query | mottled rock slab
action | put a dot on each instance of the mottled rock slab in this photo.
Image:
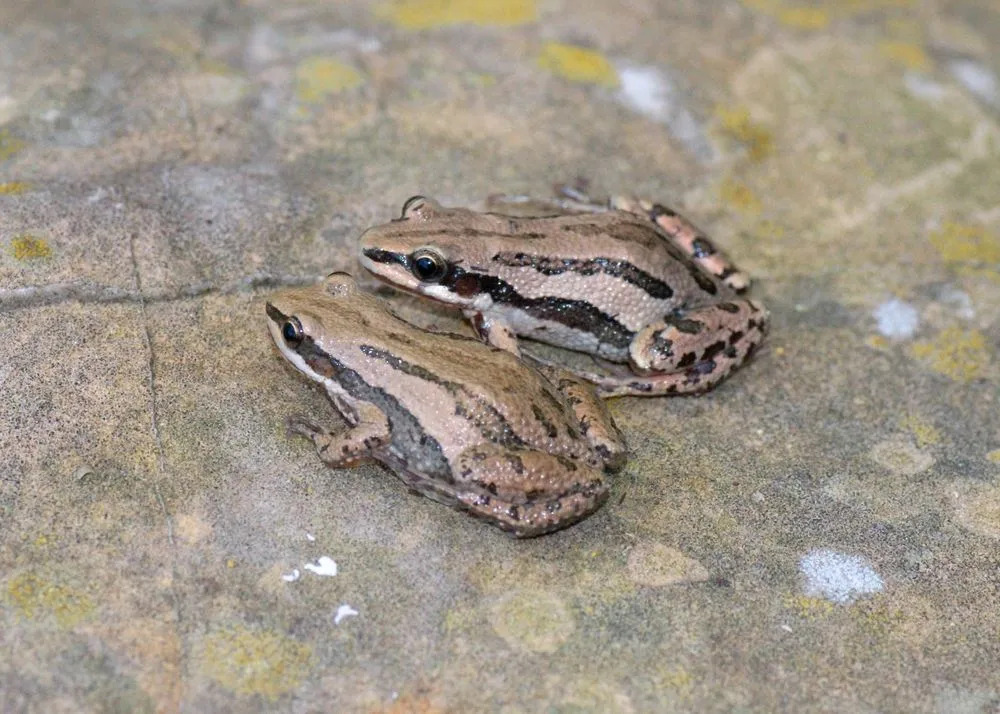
(822, 532)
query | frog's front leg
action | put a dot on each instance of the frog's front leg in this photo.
(494, 332)
(525, 492)
(592, 414)
(691, 353)
(369, 430)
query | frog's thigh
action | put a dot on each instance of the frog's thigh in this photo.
(526, 492)
(342, 449)
(591, 411)
(695, 352)
(689, 238)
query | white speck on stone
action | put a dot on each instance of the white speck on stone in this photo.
(342, 612)
(786, 628)
(292, 576)
(310, 537)
(977, 78)
(652, 93)
(838, 577)
(923, 87)
(896, 319)
(959, 300)
(323, 566)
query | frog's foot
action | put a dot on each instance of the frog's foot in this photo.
(346, 448)
(690, 354)
(524, 492)
(594, 420)
(493, 332)
(689, 238)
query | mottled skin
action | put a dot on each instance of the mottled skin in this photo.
(466, 424)
(630, 286)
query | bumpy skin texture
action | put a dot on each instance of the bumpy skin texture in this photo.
(630, 286)
(466, 424)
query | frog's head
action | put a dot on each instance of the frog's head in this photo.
(431, 251)
(309, 325)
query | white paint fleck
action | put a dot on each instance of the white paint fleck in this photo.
(292, 576)
(786, 628)
(838, 577)
(977, 78)
(342, 612)
(310, 537)
(323, 566)
(652, 93)
(896, 319)
(923, 87)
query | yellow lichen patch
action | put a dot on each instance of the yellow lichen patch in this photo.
(577, 64)
(980, 511)
(9, 144)
(735, 122)
(994, 456)
(13, 188)
(420, 14)
(808, 608)
(961, 243)
(957, 353)
(908, 54)
(817, 15)
(923, 431)
(739, 195)
(657, 565)
(28, 247)
(251, 662)
(804, 18)
(876, 618)
(317, 78)
(34, 597)
(533, 621)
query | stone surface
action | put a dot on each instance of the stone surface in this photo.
(163, 166)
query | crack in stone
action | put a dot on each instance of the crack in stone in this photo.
(87, 292)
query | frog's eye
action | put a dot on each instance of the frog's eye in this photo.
(414, 203)
(292, 331)
(428, 265)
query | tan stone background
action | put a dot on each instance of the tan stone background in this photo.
(820, 533)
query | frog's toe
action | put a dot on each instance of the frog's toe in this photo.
(301, 425)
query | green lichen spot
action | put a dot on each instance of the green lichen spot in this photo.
(736, 124)
(252, 662)
(29, 247)
(578, 64)
(13, 188)
(9, 145)
(739, 196)
(966, 243)
(907, 54)
(34, 597)
(957, 353)
(319, 77)
(533, 621)
(993, 456)
(420, 14)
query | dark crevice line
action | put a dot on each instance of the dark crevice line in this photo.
(89, 293)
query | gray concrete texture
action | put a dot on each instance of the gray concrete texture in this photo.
(820, 533)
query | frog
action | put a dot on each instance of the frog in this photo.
(469, 425)
(634, 284)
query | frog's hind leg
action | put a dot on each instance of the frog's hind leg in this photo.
(690, 354)
(689, 238)
(525, 492)
(592, 414)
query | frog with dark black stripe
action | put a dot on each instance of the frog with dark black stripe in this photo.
(466, 424)
(628, 281)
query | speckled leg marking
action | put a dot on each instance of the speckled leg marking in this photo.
(688, 238)
(595, 421)
(527, 493)
(370, 430)
(693, 352)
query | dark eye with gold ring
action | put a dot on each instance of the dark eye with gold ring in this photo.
(414, 203)
(428, 265)
(292, 331)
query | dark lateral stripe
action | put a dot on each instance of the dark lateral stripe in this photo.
(653, 286)
(576, 314)
(387, 256)
(409, 439)
(490, 422)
